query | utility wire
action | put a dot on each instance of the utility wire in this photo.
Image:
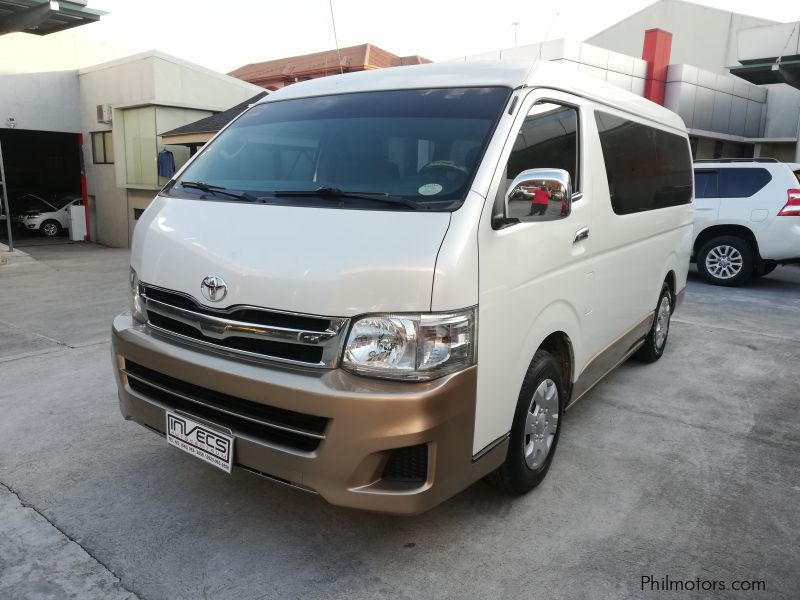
(789, 39)
(336, 38)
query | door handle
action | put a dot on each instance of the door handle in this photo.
(581, 234)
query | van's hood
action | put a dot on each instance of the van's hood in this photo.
(322, 261)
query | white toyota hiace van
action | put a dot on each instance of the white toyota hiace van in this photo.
(383, 286)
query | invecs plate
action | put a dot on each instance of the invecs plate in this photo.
(211, 445)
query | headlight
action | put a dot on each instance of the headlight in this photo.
(137, 303)
(411, 347)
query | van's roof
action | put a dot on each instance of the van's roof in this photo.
(482, 74)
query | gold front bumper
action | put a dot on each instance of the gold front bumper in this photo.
(367, 420)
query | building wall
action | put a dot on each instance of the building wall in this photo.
(148, 93)
(701, 36)
(782, 152)
(114, 83)
(718, 103)
(41, 101)
(63, 51)
(783, 111)
(624, 71)
(137, 201)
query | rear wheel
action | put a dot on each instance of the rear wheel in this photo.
(726, 260)
(50, 228)
(656, 339)
(536, 427)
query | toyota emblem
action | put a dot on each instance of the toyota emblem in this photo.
(213, 288)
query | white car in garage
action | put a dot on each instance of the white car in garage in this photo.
(50, 217)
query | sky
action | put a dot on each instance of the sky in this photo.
(225, 34)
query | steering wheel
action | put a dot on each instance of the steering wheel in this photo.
(443, 166)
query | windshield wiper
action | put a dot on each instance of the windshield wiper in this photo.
(338, 193)
(218, 189)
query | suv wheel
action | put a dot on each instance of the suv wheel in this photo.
(726, 260)
(50, 228)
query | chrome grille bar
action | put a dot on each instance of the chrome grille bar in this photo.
(216, 329)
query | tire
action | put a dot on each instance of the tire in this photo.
(529, 458)
(727, 260)
(765, 268)
(656, 340)
(50, 228)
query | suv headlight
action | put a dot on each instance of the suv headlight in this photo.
(411, 347)
(137, 303)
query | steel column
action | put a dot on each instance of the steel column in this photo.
(5, 200)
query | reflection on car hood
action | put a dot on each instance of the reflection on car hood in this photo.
(323, 261)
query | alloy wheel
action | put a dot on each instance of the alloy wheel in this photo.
(724, 262)
(541, 424)
(662, 322)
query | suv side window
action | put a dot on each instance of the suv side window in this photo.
(706, 184)
(647, 168)
(738, 182)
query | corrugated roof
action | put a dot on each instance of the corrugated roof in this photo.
(364, 56)
(215, 122)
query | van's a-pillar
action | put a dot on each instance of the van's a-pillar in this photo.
(656, 51)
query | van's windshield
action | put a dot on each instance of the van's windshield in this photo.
(395, 150)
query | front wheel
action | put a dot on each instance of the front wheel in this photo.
(50, 228)
(656, 339)
(536, 427)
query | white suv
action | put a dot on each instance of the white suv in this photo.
(746, 218)
(49, 217)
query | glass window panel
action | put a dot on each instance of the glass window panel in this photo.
(738, 182)
(98, 154)
(108, 144)
(647, 168)
(705, 184)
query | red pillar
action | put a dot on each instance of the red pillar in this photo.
(656, 51)
(84, 194)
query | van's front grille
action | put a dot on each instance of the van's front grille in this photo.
(275, 426)
(247, 330)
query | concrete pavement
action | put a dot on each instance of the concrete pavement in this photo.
(687, 468)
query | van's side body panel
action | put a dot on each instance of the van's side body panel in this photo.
(601, 292)
(634, 252)
(533, 281)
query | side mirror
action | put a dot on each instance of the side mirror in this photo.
(539, 195)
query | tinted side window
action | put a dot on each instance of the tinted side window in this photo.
(742, 183)
(547, 139)
(706, 184)
(647, 168)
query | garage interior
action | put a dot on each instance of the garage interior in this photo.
(44, 163)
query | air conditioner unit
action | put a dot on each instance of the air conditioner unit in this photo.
(104, 113)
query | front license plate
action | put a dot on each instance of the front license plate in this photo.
(210, 445)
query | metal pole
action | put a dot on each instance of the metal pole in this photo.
(797, 144)
(5, 201)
